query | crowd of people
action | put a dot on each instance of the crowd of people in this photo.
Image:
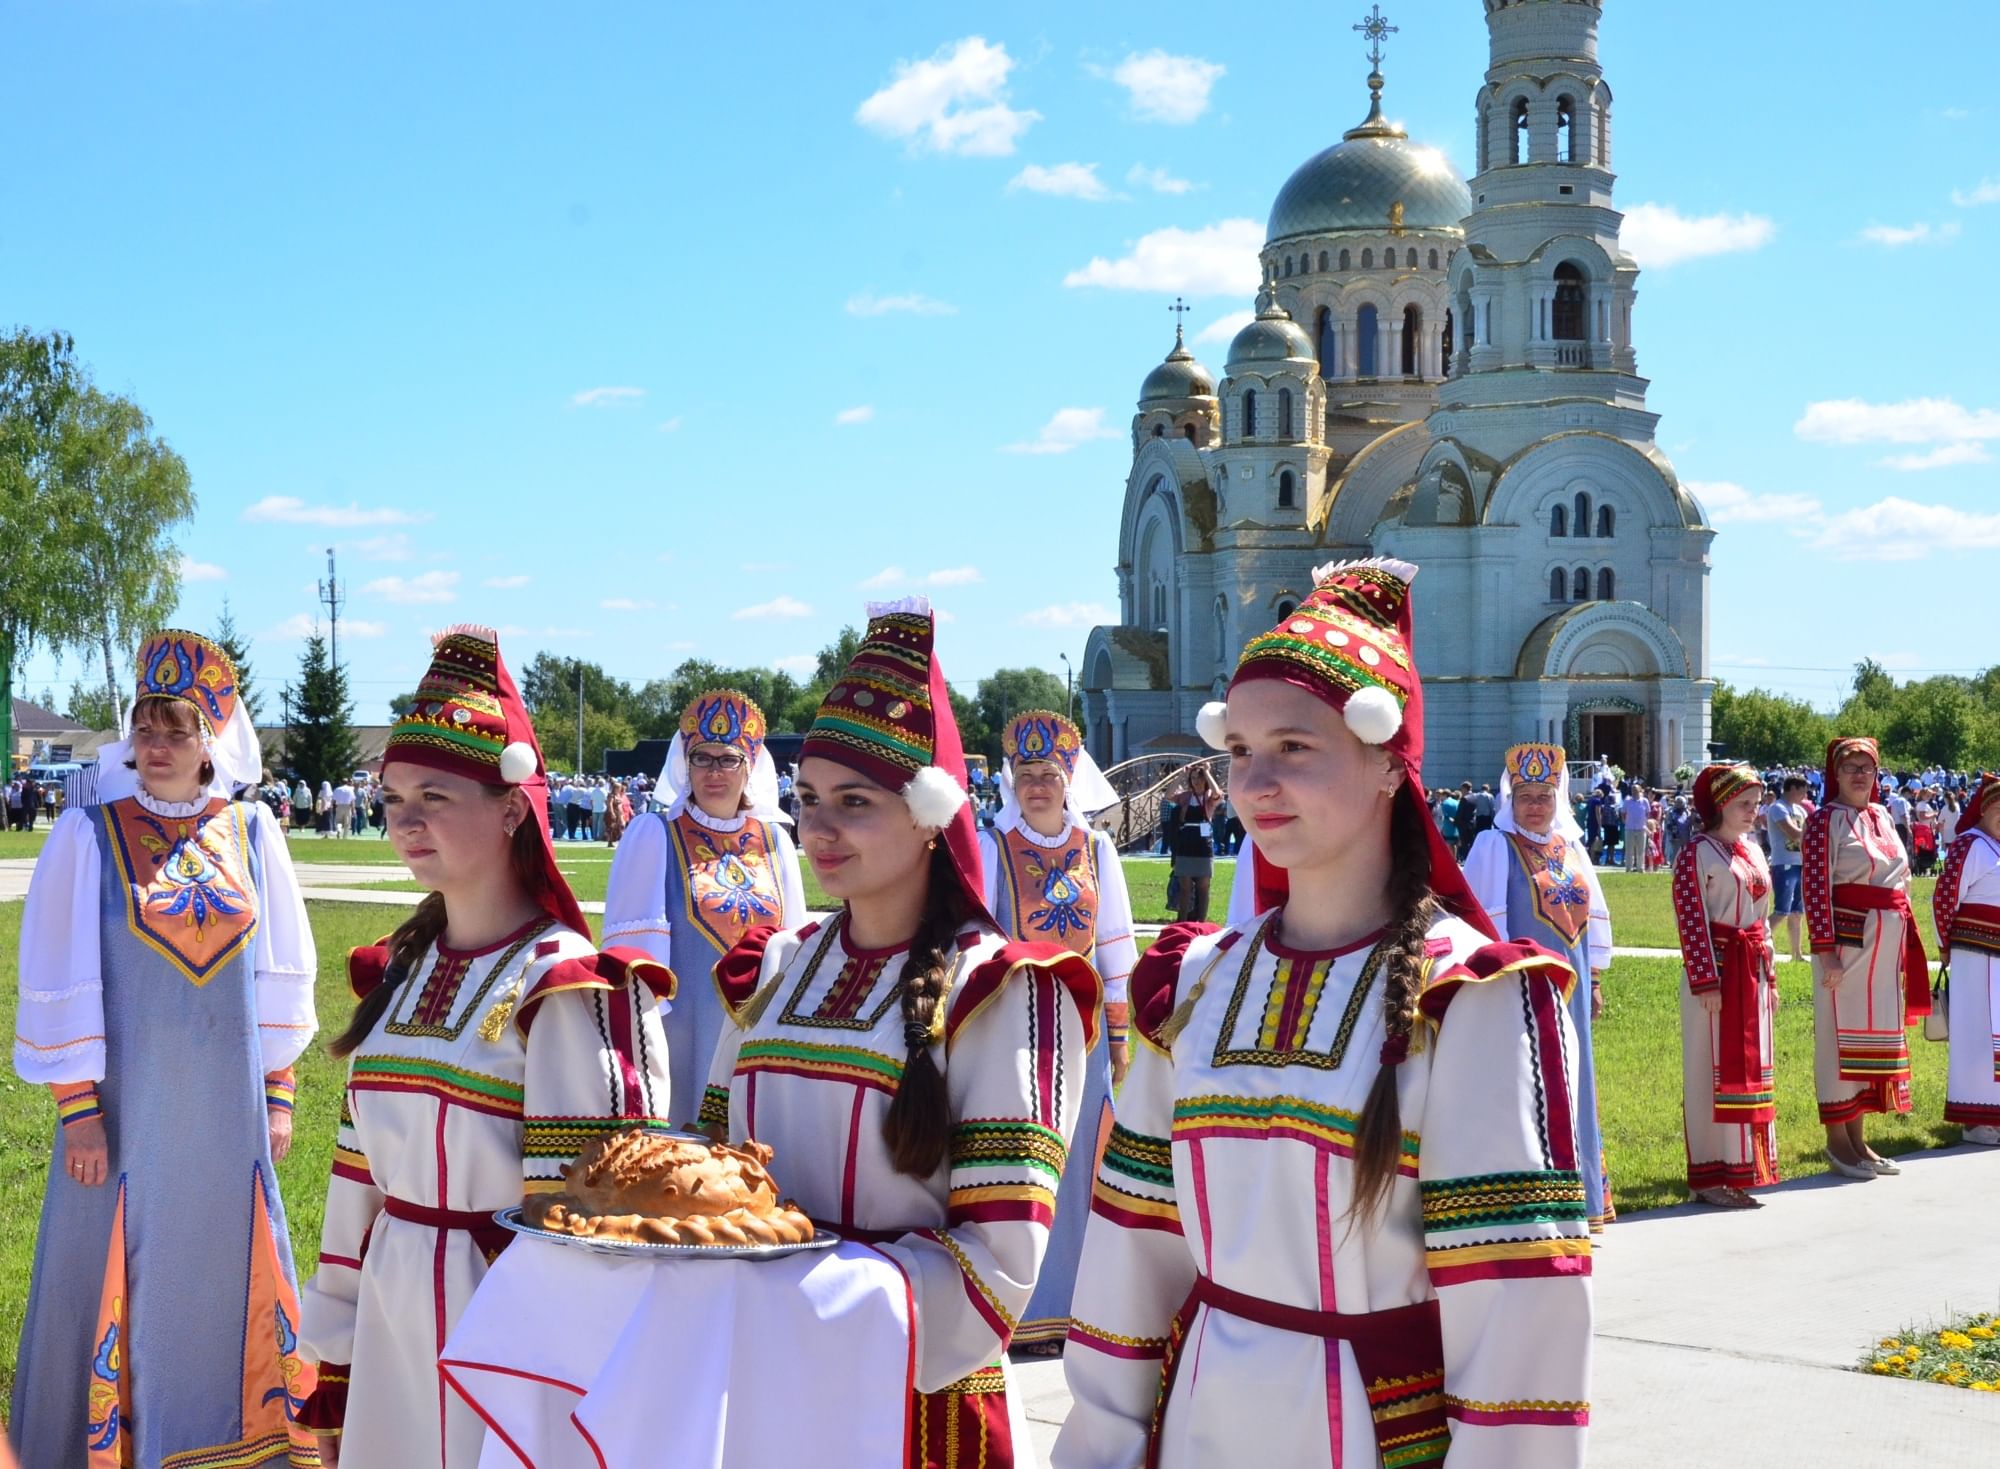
(29, 800)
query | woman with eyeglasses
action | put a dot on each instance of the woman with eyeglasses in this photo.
(687, 884)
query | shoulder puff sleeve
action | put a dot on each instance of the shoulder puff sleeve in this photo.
(743, 981)
(597, 1056)
(1597, 934)
(59, 1026)
(1506, 1239)
(286, 963)
(635, 898)
(791, 885)
(1486, 874)
(1691, 921)
(1135, 1270)
(1816, 880)
(1017, 1028)
(1117, 946)
(989, 868)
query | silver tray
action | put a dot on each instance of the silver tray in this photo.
(823, 1239)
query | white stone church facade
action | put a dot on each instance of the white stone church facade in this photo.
(1444, 373)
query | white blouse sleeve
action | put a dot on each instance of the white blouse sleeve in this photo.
(989, 871)
(1486, 874)
(1243, 887)
(1598, 934)
(286, 961)
(791, 884)
(1117, 949)
(635, 901)
(59, 1027)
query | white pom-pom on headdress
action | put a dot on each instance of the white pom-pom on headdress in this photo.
(1404, 571)
(1373, 715)
(934, 798)
(518, 762)
(1209, 723)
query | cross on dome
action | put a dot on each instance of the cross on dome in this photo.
(1376, 28)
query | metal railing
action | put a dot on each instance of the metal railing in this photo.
(1144, 785)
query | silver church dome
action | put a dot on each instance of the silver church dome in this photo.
(1272, 337)
(1360, 182)
(1180, 376)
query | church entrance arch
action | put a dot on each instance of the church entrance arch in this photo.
(1607, 727)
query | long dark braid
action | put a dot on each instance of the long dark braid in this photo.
(1378, 1141)
(918, 1124)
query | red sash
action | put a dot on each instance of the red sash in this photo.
(490, 1237)
(1743, 1091)
(1975, 926)
(1400, 1353)
(1916, 968)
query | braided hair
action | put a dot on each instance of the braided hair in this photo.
(918, 1123)
(1378, 1142)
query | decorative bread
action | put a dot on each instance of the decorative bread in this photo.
(654, 1188)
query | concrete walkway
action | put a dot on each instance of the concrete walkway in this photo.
(1728, 1337)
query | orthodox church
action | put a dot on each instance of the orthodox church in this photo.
(1442, 372)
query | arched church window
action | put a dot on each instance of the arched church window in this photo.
(1288, 265)
(1413, 338)
(1411, 260)
(1284, 413)
(1188, 431)
(1606, 521)
(1565, 129)
(1346, 260)
(1446, 347)
(1322, 260)
(1286, 489)
(1581, 519)
(1160, 603)
(1329, 346)
(1606, 586)
(1558, 585)
(1566, 321)
(1559, 521)
(1364, 340)
(1159, 430)
(1434, 260)
(1471, 323)
(1579, 585)
(1368, 259)
(1520, 129)
(1249, 413)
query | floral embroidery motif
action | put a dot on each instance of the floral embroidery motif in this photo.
(106, 1421)
(1562, 897)
(731, 884)
(187, 882)
(1052, 893)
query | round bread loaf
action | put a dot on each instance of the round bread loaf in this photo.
(658, 1188)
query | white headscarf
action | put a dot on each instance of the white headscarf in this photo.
(1085, 794)
(676, 784)
(1565, 818)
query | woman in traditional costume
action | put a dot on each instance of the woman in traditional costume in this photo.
(1533, 875)
(1051, 879)
(1966, 908)
(490, 1044)
(1729, 1005)
(917, 1074)
(166, 988)
(1342, 1198)
(688, 883)
(1870, 975)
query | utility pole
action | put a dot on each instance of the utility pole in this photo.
(579, 719)
(333, 598)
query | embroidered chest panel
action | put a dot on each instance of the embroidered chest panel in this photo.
(856, 999)
(1751, 877)
(731, 882)
(1560, 896)
(440, 1004)
(1274, 1024)
(187, 882)
(1051, 892)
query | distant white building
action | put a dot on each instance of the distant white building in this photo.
(1443, 373)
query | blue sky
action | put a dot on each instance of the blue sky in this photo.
(655, 331)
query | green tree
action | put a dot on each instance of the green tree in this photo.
(602, 730)
(1009, 691)
(1872, 684)
(1935, 722)
(1766, 728)
(126, 492)
(92, 708)
(320, 744)
(41, 599)
(805, 702)
(400, 705)
(232, 642)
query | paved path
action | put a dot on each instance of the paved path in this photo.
(1727, 1337)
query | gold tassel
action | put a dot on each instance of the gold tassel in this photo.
(1184, 1012)
(495, 1024)
(759, 1003)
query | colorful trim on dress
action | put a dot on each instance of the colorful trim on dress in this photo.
(77, 1103)
(1554, 1196)
(186, 879)
(1050, 893)
(816, 1062)
(714, 1107)
(470, 1089)
(1289, 1008)
(1262, 1118)
(731, 880)
(279, 1093)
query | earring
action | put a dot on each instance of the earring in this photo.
(931, 845)
(508, 828)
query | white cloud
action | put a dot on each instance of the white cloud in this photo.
(954, 576)
(361, 627)
(565, 632)
(1901, 530)
(425, 587)
(914, 303)
(1942, 457)
(193, 570)
(1069, 614)
(861, 413)
(1064, 180)
(1225, 328)
(1217, 260)
(625, 604)
(1156, 179)
(798, 665)
(895, 576)
(776, 607)
(1659, 235)
(888, 576)
(953, 102)
(672, 425)
(605, 397)
(301, 625)
(1728, 503)
(1912, 421)
(506, 583)
(1068, 428)
(395, 546)
(290, 510)
(1920, 233)
(1166, 88)
(1986, 191)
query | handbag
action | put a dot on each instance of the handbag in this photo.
(1174, 892)
(1937, 1024)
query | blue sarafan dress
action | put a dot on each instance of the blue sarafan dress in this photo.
(1545, 889)
(165, 958)
(1067, 890)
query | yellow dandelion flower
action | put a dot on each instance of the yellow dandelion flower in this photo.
(1884, 1367)
(1984, 1333)
(1957, 1340)
(1982, 1387)
(1889, 1343)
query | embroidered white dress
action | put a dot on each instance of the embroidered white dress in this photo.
(810, 1066)
(489, 1071)
(1230, 1171)
(1966, 908)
